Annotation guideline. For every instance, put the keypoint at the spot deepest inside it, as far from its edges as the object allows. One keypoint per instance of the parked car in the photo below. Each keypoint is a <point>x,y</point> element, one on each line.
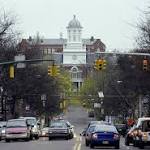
<point>44,132</point>
<point>17,129</point>
<point>2,129</point>
<point>121,128</point>
<point>142,138</point>
<point>106,135</point>
<point>59,129</point>
<point>130,135</point>
<point>35,131</point>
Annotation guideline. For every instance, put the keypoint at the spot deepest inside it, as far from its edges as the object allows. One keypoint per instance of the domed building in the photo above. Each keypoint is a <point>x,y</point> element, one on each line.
<point>74,53</point>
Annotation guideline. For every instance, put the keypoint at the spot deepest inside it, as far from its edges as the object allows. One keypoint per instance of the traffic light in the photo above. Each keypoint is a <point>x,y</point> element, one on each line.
<point>53,70</point>
<point>145,65</point>
<point>56,70</point>
<point>104,64</point>
<point>11,72</point>
<point>50,72</point>
<point>100,64</point>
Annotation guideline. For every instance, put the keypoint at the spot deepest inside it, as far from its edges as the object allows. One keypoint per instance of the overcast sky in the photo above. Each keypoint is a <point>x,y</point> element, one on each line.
<point>108,20</point>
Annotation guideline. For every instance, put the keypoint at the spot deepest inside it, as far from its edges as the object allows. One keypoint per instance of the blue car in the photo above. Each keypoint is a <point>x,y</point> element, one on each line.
<point>105,135</point>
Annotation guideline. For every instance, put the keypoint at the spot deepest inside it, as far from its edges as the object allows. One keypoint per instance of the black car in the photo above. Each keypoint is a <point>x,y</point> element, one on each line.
<point>59,129</point>
<point>121,128</point>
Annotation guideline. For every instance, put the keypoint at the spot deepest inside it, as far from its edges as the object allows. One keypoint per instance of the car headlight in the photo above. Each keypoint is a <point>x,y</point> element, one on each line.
<point>50,132</point>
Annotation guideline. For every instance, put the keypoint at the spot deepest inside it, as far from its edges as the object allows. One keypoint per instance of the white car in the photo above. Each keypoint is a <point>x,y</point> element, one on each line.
<point>44,132</point>
<point>142,138</point>
<point>32,121</point>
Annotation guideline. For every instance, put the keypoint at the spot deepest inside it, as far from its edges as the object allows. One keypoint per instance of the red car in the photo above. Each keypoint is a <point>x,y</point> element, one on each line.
<point>17,129</point>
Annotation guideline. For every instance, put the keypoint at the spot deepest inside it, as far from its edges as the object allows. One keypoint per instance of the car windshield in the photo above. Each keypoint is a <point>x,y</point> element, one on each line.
<point>31,121</point>
<point>16,123</point>
<point>2,124</point>
<point>105,128</point>
<point>58,125</point>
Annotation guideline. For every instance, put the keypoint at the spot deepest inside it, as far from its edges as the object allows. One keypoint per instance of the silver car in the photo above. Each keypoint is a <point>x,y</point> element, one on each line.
<point>34,125</point>
<point>59,130</point>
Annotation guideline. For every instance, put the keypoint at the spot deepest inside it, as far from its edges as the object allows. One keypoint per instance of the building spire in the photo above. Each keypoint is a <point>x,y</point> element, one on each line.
<point>74,16</point>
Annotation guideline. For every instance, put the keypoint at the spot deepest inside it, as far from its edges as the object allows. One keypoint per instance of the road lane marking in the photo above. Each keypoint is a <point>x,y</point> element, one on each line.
<point>75,146</point>
<point>79,146</point>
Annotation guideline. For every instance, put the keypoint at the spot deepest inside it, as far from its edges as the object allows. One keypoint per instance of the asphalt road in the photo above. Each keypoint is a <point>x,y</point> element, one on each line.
<point>78,117</point>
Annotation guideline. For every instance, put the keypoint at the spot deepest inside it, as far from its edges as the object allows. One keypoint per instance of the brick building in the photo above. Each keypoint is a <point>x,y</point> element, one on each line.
<point>74,53</point>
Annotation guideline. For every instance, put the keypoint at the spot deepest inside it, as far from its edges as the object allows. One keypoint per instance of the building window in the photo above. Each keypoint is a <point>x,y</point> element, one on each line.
<point>46,51</point>
<point>74,38</point>
<point>49,51</point>
<point>69,38</point>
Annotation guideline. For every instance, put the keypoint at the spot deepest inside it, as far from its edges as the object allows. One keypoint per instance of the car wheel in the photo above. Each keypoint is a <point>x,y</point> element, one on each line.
<point>27,139</point>
<point>135,143</point>
<point>86,143</point>
<point>0,138</point>
<point>117,147</point>
<point>36,137</point>
<point>67,137</point>
<point>31,137</point>
<point>141,145</point>
<point>7,140</point>
<point>126,142</point>
<point>49,138</point>
<point>91,146</point>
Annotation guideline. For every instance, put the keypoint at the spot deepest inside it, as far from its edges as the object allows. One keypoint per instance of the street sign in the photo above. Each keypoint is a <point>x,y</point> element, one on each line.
<point>43,97</point>
<point>100,94</point>
<point>97,105</point>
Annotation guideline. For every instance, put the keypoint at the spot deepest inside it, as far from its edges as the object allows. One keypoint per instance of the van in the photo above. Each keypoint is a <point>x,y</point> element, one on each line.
<point>142,138</point>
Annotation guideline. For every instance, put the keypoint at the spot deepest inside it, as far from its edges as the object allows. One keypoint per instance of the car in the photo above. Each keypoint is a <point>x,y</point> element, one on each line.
<point>44,132</point>
<point>98,122</point>
<point>88,133</point>
<point>34,124</point>
<point>69,125</point>
<point>2,129</point>
<point>106,135</point>
<point>59,129</point>
<point>17,129</point>
<point>142,138</point>
<point>91,114</point>
<point>130,135</point>
<point>122,129</point>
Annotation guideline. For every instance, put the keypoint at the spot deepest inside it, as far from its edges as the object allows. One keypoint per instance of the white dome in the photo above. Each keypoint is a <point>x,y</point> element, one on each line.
<point>74,23</point>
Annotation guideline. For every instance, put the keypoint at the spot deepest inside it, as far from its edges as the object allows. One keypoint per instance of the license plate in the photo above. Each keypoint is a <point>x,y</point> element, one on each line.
<point>105,142</point>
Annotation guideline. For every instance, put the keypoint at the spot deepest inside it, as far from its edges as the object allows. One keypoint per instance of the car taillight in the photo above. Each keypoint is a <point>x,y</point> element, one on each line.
<point>116,136</point>
<point>94,136</point>
<point>140,133</point>
<point>135,132</point>
<point>144,136</point>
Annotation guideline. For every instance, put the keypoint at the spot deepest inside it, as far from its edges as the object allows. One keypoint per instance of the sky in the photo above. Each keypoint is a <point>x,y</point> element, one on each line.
<point>112,21</point>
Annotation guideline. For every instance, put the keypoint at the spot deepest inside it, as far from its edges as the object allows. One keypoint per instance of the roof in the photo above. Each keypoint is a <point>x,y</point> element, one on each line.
<point>74,23</point>
<point>50,41</point>
<point>60,41</point>
<point>20,119</point>
<point>142,119</point>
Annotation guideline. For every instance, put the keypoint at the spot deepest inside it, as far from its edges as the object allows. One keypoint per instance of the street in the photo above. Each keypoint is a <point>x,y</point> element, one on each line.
<point>79,118</point>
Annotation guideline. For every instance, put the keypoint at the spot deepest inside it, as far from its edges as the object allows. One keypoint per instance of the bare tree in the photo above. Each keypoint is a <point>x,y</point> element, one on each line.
<point>8,35</point>
<point>143,39</point>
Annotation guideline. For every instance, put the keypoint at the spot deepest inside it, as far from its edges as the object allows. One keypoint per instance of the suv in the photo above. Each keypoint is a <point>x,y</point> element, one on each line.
<point>32,121</point>
<point>142,138</point>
